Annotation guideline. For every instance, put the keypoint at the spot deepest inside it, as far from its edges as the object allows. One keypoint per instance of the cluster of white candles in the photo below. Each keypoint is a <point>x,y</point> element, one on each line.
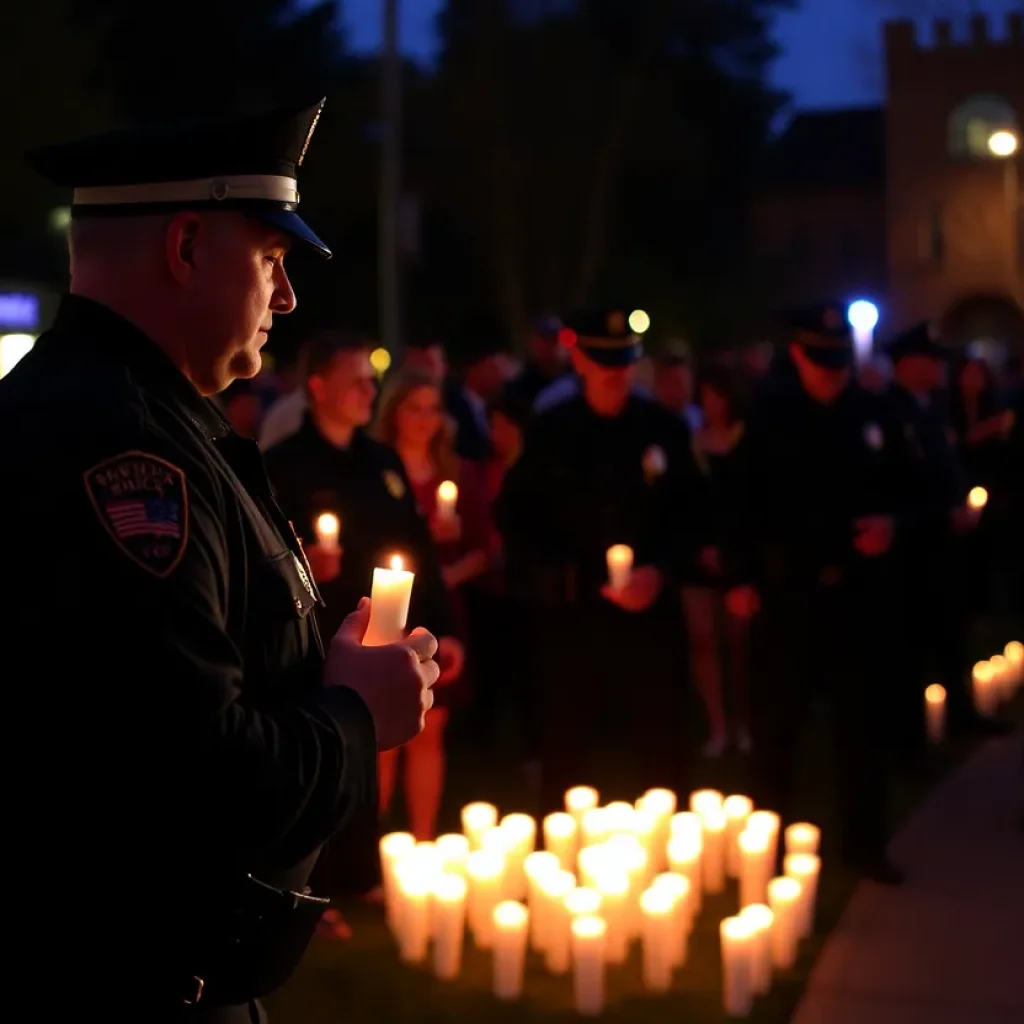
<point>997,680</point>
<point>607,876</point>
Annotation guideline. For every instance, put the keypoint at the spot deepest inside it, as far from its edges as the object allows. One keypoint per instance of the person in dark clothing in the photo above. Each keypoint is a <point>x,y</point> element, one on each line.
<point>546,361</point>
<point>216,749</point>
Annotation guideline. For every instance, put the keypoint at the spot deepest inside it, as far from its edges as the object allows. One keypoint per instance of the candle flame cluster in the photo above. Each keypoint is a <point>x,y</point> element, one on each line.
<point>607,877</point>
<point>997,680</point>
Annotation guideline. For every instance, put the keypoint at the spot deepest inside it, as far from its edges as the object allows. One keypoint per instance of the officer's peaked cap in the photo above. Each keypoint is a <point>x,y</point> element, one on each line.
<point>604,335</point>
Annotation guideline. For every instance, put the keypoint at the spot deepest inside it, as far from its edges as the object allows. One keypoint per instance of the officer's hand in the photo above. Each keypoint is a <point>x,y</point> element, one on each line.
<point>642,590</point>
<point>394,681</point>
<point>325,563</point>
<point>874,535</point>
<point>445,529</point>
<point>742,602</point>
<point>963,519</point>
<point>451,656</point>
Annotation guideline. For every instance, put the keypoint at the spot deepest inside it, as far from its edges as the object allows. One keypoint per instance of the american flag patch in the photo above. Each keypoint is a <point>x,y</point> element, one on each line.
<point>153,517</point>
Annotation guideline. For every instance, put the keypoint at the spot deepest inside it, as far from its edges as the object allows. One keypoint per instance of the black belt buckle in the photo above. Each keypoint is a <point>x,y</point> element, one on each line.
<point>195,989</point>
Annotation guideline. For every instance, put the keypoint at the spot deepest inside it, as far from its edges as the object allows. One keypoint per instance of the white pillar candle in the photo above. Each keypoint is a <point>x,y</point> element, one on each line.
<point>769,823</point>
<point>784,897</point>
<point>983,689</point>
<point>447,499</point>
<point>1001,688</point>
<point>686,823</point>
<point>684,857</point>
<point>485,873</point>
<point>389,604</point>
<point>1013,652</point>
<point>657,909</point>
<point>678,887</point>
<point>328,531</point>
<point>702,799</point>
<point>614,889</point>
<point>661,803</point>
<point>452,850</point>
<point>588,940</point>
<point>511,924</point>
<point>478,818</point>
<point>805,868</point>
<point>579,800</point>
<point>521,831</point>
<point>760,919</point>
<point>594,861</point>
<point>648,830</point>
<point>713,860</point>
<point>583,902</point>
<point>560,837</point>
<point>802,838</point>
<point>595,827</point>
<point>755,865</point>
<point>934,716</point>
<point>414,885</point>
<point>737,810</point>
<point>555,890</point>
<point>537,866</point>
<point>619,817</point>
<point>737,966</point>
<point>620,566</point>
<point>394,847</point>
<point>448,924</point>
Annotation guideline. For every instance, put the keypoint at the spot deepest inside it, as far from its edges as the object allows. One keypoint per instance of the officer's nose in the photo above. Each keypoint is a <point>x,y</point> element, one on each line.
<point>283,300</point>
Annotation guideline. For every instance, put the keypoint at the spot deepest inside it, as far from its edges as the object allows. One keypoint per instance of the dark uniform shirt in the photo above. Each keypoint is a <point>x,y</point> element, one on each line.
<point>366,487</point>
<point>174,726</point>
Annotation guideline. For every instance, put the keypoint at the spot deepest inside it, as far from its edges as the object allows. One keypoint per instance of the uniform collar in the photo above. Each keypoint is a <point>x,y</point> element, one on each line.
<point>118,340</point>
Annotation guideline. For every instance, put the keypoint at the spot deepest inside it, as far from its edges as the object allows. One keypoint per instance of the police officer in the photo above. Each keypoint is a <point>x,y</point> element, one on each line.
<point>605,467</point>
<point>187,746</point>
<point>825,468</point>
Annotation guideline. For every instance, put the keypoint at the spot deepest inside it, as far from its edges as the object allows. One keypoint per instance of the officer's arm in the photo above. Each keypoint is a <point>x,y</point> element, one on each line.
<point>258,767</point>
<point>527,511</point>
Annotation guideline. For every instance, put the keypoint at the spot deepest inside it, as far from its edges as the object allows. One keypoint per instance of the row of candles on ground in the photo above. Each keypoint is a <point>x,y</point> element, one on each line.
<point>608,876</point>
<point>992,683</point>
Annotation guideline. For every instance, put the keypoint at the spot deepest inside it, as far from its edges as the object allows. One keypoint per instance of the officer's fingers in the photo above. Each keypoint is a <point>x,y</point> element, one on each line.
<point>421,643</point>
<point>429,672</point>
<point>427,700</point>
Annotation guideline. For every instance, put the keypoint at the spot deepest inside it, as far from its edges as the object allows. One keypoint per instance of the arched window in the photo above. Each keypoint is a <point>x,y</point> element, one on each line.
<point>973,123</point>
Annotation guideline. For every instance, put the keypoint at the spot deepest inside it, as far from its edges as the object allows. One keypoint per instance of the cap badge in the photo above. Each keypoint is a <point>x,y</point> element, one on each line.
<point>654,463</point>
<point>616,322</point>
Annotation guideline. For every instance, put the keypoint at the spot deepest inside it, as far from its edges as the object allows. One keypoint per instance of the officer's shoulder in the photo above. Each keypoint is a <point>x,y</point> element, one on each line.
<point>660,418</point>
<point>377,453</point>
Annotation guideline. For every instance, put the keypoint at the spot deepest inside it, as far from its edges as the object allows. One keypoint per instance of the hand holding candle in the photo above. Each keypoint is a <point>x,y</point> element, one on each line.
<point>389,604</point>
<point>620,566</point>
<point>328,532</point>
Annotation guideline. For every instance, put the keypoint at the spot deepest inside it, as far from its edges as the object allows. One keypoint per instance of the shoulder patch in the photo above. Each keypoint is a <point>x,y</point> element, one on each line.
<point>142,502</point>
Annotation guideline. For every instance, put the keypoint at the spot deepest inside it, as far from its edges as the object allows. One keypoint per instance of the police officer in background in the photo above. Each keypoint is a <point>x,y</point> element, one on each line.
<point>605,467</point>
<point>187,747</point>
<point>825,467</point>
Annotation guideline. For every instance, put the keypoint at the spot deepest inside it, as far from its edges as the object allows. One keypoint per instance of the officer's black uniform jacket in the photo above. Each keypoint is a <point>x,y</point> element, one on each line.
<point>168,705</point>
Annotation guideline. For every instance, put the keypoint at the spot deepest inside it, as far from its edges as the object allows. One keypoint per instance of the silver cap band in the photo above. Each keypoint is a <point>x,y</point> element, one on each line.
<point>268,187</point>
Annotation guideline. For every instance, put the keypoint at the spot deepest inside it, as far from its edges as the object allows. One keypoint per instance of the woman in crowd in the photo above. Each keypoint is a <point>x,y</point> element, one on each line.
<point>411,420</point>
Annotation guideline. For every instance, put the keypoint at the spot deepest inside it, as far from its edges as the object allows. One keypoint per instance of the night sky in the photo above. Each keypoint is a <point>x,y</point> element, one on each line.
<point>831,48</point>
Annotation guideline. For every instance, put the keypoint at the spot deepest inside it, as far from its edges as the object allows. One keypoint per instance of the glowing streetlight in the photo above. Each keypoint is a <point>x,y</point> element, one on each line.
<point>862,317</point>
<point>1003,143</point>
<point>639,321</point>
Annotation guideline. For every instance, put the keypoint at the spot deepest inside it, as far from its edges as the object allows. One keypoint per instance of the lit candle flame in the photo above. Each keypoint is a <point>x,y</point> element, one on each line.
<point>978,498</point>
<point>935,694</point>
<point>397,564</point>
<point>447,490</point>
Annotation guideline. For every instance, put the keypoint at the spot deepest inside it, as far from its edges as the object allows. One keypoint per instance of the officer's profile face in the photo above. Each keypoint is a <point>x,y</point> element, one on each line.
<point>823,383</point>
<point>231,279</point>
<point>344,391</point>
<point>606,387</point>
<point>418,418</point>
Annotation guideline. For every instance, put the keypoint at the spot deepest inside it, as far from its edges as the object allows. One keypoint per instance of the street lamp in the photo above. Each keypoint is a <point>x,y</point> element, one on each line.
<point>862,317</point>
<point>1003,143</point>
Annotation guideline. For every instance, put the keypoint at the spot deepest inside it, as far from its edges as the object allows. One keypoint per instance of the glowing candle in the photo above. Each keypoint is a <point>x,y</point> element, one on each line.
<point>702,799</point>
<point>1001,688</point>
<point>618,817</point>
<point>714,849</point>
<point>521,831</point>
<point>769,823</point>
<point>447,499</point>
<point>537,867</point>
<point>760,919</point>
<point>678,888</point>
<point>560,831</point>
<point>784,896</point>
<point>620,566</point>
<point>414,885</point>
<point>934,716</point>
<point>328,530</point>
<point>614,889</point>
<point>737,966</point>
<point>478,818</point>
<point>657,909</point>
<point>1013,652</point>
<point>983,688</point>
<point>755,865</point>
<point>511,923</point>
<point>802,838</point>
<point>647,828</point>
<point>737,810</point>
<point>595,826</point>
<point>485,872</point>
<point>977,499</point>
<point>389,604</point>
<point>594,861</point>
<point>453,850</point>
<point>394,847</point>
<point>588,941</point>
<point>555,890</point>
<point>805,868</point>
<point>448,924</point>
<point>686,823</point>
<point>662,804</point>
<point>684,857</point>
<point>579,800</point>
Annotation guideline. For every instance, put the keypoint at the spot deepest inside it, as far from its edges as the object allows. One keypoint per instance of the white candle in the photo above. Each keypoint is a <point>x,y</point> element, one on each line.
<point>511,922</point>
<point>521,831</point>
<point>537,867</point>
<point>452,850</point>
<point>588,940</point>
<point>485,872</point>
<point>686,823</point>
<point>594,861</point>
<point>448,924</point>
<point>657,909</point>
<point>389,604</point>
<point>678,887</point>
<point>760,919</point>
<point>583,902</point>
<point>684,857</point>
<point>755,865</point>
<point>647,828</point>
<point>977,499</point>
<point>1001,688</point>
<point>620,566</point>
<point>328,530</point>
<point>618,817</point>
<point>714,849</point>
<point>414,884</point>
<point>1013,652</point>
<point>702,799</point>
<point>802,838</point>
<point>478,818</point>
<point>983,688</point>
<point>934,716</point>
<point>447,499</point>
<point>594,826</point>
<point>394,847</point>
<point>737,810</point>
<point>555,890</point>
<point>579,800</point>
<point>769,823</point>
<point>560,832</point>
<point>805,868</point>
<point>737,966</point>
<point>662,804</point>
<point>784,897</point>
<point>614,889</point>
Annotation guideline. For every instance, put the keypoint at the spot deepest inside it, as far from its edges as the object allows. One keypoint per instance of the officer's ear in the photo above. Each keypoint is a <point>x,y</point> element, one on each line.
<point>180,240</point>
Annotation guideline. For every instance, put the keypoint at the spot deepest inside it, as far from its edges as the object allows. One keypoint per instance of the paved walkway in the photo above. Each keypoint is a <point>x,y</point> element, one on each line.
<point>948,947</point>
